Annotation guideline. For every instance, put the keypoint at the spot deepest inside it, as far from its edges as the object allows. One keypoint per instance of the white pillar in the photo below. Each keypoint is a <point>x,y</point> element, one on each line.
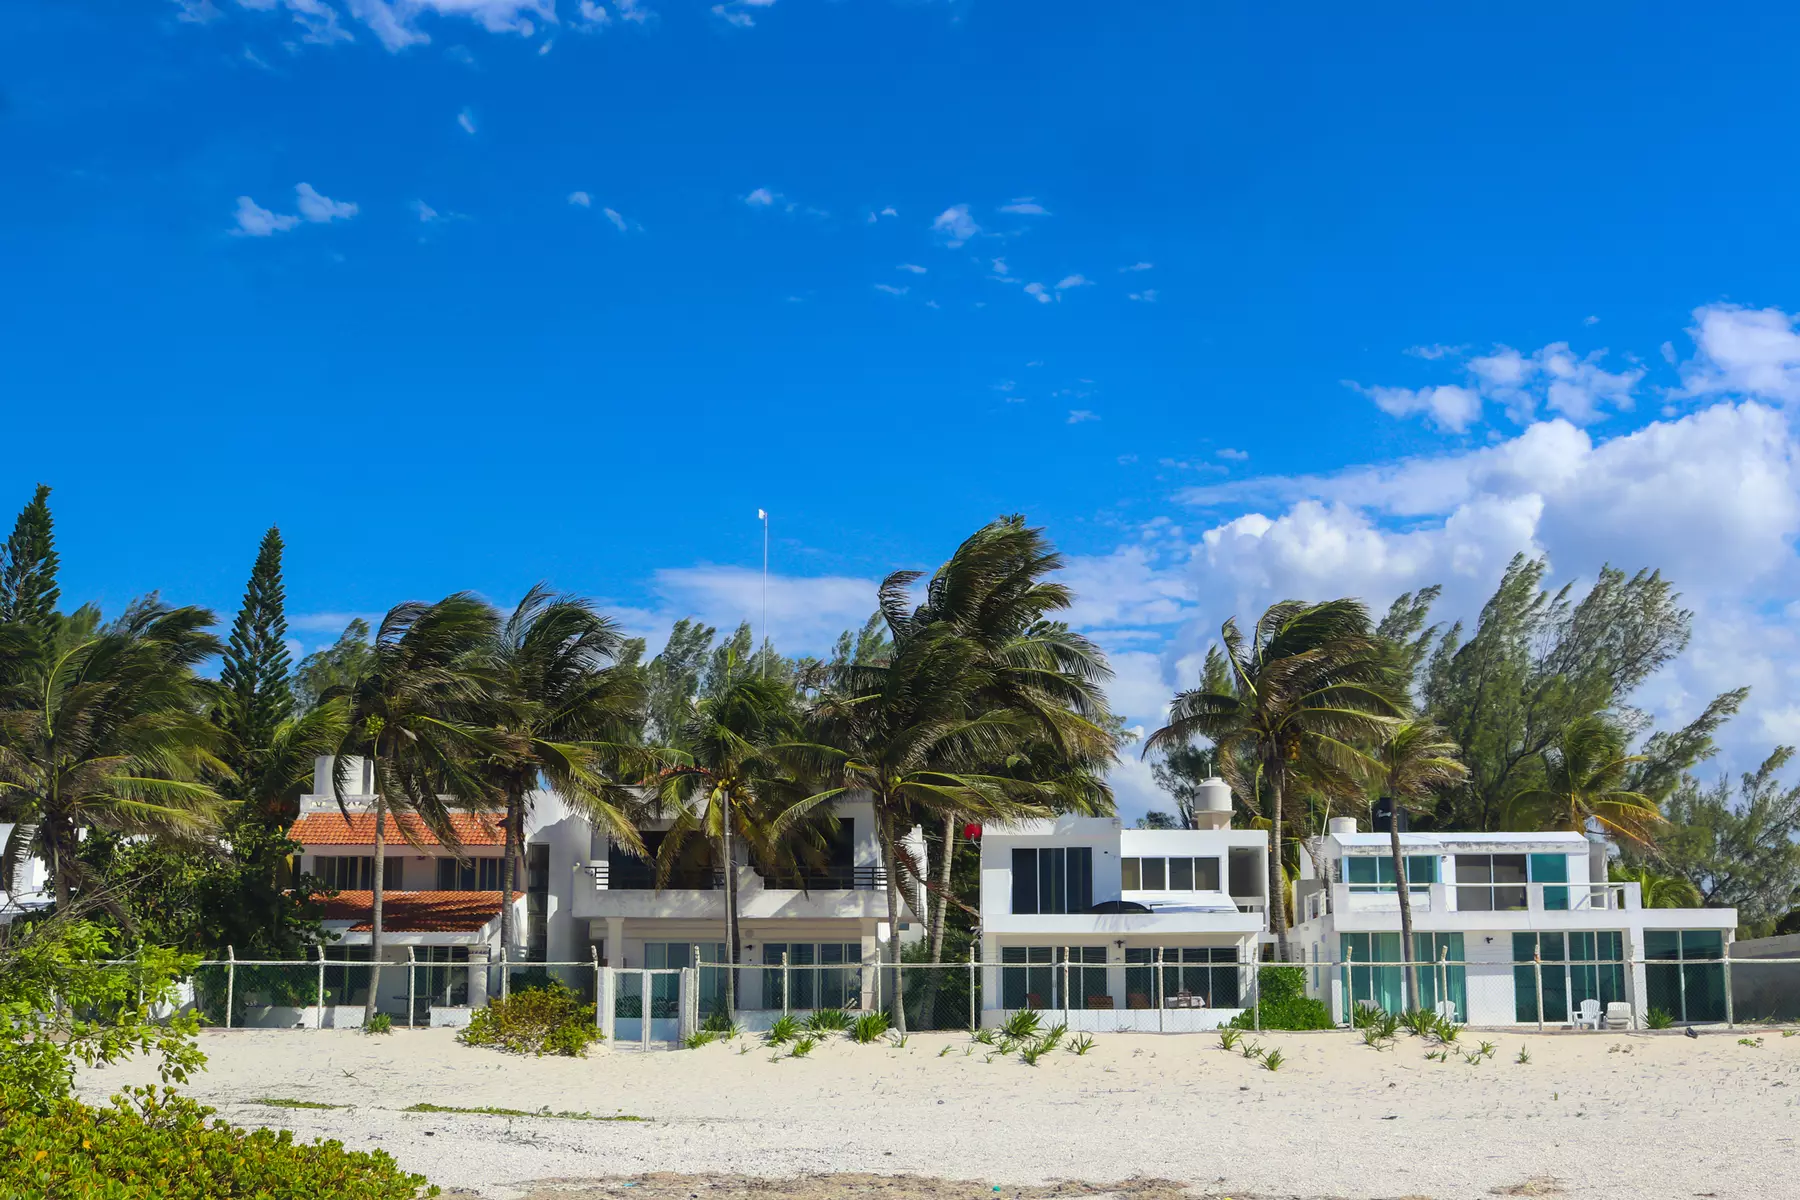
<point>478,975</point>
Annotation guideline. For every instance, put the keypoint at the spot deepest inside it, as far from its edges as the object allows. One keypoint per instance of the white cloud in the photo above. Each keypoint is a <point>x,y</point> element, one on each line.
<point>1025,206</point>
<point>889,212</point>
<point>467,120</point>
<point>733,16</point>
<point>322,210</point>
<point>915,268</point>
<point>397,24</point>
<point>1137,266</point>
<point>955,225</point>
<point>1079,415</point>
<point>581,199</point>
<point>1147,296</point>
<point>425,212</point>
<point>618,221</point>
<point>633,11</point>
<point>1073,281</point>
<point>1001,273</point>
<point>1753,351</point>
<point>331,622</point>
<point>1435,351</point>
<point>1039,291</point>
<point>590,17</point>
<point>805,614</point>
<point>1590,320</point>
<point>762,197</point>
<point>1231,455</point>
<point>891,290</point>
<point>253,220</point>
<point>1449,407</point>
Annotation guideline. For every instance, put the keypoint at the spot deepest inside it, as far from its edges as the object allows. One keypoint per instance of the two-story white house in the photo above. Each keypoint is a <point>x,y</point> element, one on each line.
<point>828,920</point>
<point>1504,918</point>
<point>1147,929</point>
<point>440,906</point>
<point>30,890</point>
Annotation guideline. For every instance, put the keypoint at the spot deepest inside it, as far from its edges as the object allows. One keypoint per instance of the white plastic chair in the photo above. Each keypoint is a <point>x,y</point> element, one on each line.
<point>1445,1010</point>
<point>1588,1017</point>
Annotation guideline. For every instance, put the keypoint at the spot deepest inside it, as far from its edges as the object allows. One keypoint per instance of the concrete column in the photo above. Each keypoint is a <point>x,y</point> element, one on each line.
<point>478,975</point>
<point>615,941</point>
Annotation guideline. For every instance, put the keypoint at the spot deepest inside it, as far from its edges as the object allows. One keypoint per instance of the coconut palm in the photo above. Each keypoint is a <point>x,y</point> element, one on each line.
<point>1308,692</point>
<point>105,732</point>
<point>1657,891</point>
<point>1585,774</point>
<point>557,690</point>
<point>727,780</point>
<point>414,713</point>
<point>1418,760</point>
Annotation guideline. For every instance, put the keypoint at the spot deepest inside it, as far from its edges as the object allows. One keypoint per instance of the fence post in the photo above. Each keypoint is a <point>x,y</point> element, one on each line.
<point>140,974</point>
<point>1349,986</point>
<point>1156,990</point>
<point>412,975</point>
<point>646,1008</point>
<point>784,983</point>
<point>599,996</point>
<point>974,1015</point>
<point>1537,970</point>
<point>1443,981</point>
<point>1730,1011</point>
<point>319,1013</point>
<point>505,983</point>
<point>1065,984</point>
<point>230,982</point>
<point>1256,995</point>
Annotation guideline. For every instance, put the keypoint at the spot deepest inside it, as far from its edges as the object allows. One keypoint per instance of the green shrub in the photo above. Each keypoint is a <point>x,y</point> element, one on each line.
<point>379,1023</point>
<point>1419,1021</point>
<point>785,1029</point>
<point>869,1028</point>
<point>1282,992</point>
<point>719,1021</point>
<point>829,1020</point>
<point>1659,1018</point>
<point>540,1020</point>
<point>1021,1025</point>
<point>150,1145</point>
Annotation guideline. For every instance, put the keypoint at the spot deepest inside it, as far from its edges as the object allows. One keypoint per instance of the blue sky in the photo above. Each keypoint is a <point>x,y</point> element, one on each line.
<point>1239,302</point>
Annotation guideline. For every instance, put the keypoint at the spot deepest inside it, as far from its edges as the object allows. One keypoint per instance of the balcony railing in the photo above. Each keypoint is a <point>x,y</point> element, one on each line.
<point>606,880</point>
<point>864,878</point>
<point>1481,897</point>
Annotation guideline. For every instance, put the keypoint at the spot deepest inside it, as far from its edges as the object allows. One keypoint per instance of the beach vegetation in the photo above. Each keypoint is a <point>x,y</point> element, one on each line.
<point>550,1019</point>
<point>1658,1018</point>
<point>869,1027</point>
<point>829,1020</point>
<point>1273,1060</point>
<point>784,1030</point>
<point>1283,1003</point>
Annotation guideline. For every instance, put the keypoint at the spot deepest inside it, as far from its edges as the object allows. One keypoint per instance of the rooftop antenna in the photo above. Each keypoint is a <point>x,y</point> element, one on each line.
<point>763,516</point>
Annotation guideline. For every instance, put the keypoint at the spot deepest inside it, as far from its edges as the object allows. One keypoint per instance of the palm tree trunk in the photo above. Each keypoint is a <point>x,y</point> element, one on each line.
<point>376,891</point>
<point>1277,877</point>
<point>889,850</point>
<point>1400,882</point>
<point>940,903</point>
<point>507,867</point>
<point>732,948</point>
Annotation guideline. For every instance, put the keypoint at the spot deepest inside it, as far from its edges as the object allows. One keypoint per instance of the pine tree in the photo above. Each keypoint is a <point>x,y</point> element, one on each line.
<point>28,591</point>
<point>254,673</point>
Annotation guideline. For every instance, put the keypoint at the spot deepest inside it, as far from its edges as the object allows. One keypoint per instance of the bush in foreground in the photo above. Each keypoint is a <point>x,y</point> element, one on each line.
<point>1282,995</point>
<point>541,1020</point>
<point>150,1145</point>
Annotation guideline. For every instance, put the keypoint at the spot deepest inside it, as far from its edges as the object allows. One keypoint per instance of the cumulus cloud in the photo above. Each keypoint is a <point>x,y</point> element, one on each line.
<point>737,12</point>
<point>1038,292</point>
<point>1554,377</point>
<point>319,209</point>
<point>581,199</point>
<point>805,614</point>
<point>1025,206</point>
<point>1073,281</point>
<point>1147,296</point>
<point>762,197</point>
<point>1754,351</point>
<point>955,225</point>
<point>253,220</point>
<point>1079,415</point>
<point>618,221</point>
<point>1449,407</point>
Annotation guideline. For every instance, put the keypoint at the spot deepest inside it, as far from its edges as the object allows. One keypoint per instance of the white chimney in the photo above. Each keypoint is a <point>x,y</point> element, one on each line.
<point>1212,804</point>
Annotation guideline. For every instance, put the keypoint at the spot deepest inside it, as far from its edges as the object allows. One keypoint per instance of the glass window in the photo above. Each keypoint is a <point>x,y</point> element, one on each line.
<point>1156,877</point>
<point>1552,868</point>
<point>1181,874</point>
<point>1206,874</point>
<point>1053,880</point>
<point>815,975</point>
<point>1437,960</point>
<point>1570,969</point>
<point>1688,980</point>
<point>1490,882</point>
<point>1128,875</point>
<point>1181,977</point>
<point>1024,881</point>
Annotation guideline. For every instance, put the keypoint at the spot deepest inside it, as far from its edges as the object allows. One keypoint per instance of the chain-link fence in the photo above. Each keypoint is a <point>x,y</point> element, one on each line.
<point>1083,988</point>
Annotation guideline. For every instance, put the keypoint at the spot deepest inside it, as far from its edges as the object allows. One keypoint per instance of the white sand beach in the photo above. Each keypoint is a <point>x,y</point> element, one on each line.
<point>1602,1116</point>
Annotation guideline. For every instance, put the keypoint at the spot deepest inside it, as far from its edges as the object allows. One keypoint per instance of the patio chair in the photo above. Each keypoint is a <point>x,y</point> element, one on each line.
<point>1034,1000</point>
<point>1588,1016</point>
<point>1618,1015</point>
<point>1445,1010</point>
<point>1137,1000</point>
<point>1099,1002</point>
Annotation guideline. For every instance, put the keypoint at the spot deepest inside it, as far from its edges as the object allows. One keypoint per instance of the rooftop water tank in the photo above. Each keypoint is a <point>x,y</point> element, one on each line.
<point>1340,825</point>
<point>1212,804</point>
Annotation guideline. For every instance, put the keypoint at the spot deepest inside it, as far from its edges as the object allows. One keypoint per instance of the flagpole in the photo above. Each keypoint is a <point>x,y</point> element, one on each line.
<point>764,514</point>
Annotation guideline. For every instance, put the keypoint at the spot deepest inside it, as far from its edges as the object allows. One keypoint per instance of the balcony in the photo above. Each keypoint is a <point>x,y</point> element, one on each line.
<point>618,890</point>
<point>1477,899</point>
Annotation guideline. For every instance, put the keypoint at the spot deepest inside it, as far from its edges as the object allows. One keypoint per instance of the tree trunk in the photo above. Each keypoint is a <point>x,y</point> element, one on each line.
<point>940,903</point>
<point>1277,879</point>
<point>732,948</point>
<point>507,866</point>
<point>377,888</point>
<point>893,887</point>
<point>1400,883</point>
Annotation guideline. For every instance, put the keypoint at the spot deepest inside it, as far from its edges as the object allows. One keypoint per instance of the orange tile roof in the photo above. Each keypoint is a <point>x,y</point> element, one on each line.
<point>415,912</point>
<point>330,829</point>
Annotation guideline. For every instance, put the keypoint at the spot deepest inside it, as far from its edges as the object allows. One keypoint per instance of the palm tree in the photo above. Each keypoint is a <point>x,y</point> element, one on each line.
<point>1585,772</point>
<point>559,693</point>
<point>105,732</point>
<point>1417,760</point>
<point>1309,691</point>
<point>727,780</point>
<point>1658,891</point>
<point>414,714</point>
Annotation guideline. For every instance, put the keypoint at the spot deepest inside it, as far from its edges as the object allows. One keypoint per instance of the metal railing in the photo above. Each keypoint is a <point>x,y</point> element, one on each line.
<point>644,880</point>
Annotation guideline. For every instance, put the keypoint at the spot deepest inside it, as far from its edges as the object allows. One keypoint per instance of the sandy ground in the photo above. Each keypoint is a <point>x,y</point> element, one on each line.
<point>1598,1116</point>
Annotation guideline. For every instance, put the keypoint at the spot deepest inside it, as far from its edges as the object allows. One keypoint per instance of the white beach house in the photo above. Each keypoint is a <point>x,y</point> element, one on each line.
<point>1506,917</point>
<point>825,920</point>
<point>1122,928</point>
<point>29,889</point>
<point>439,907</point>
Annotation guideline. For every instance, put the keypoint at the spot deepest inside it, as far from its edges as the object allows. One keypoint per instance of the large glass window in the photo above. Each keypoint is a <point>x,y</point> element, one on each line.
<point>1552,868</point>
<point>1375,873</point>
<point>1575,967</point>
<point>1685,976</point>
<point>1181,977</point>
<point>818,975</point>
<point>1490,882</point>
<point>476,875</point>
<point>356,873</point>
<point>1034,977</point>
<point>1056,879</point>
<point>1169,874</point>
<point>1438,959</point>
<point>660,956</point>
